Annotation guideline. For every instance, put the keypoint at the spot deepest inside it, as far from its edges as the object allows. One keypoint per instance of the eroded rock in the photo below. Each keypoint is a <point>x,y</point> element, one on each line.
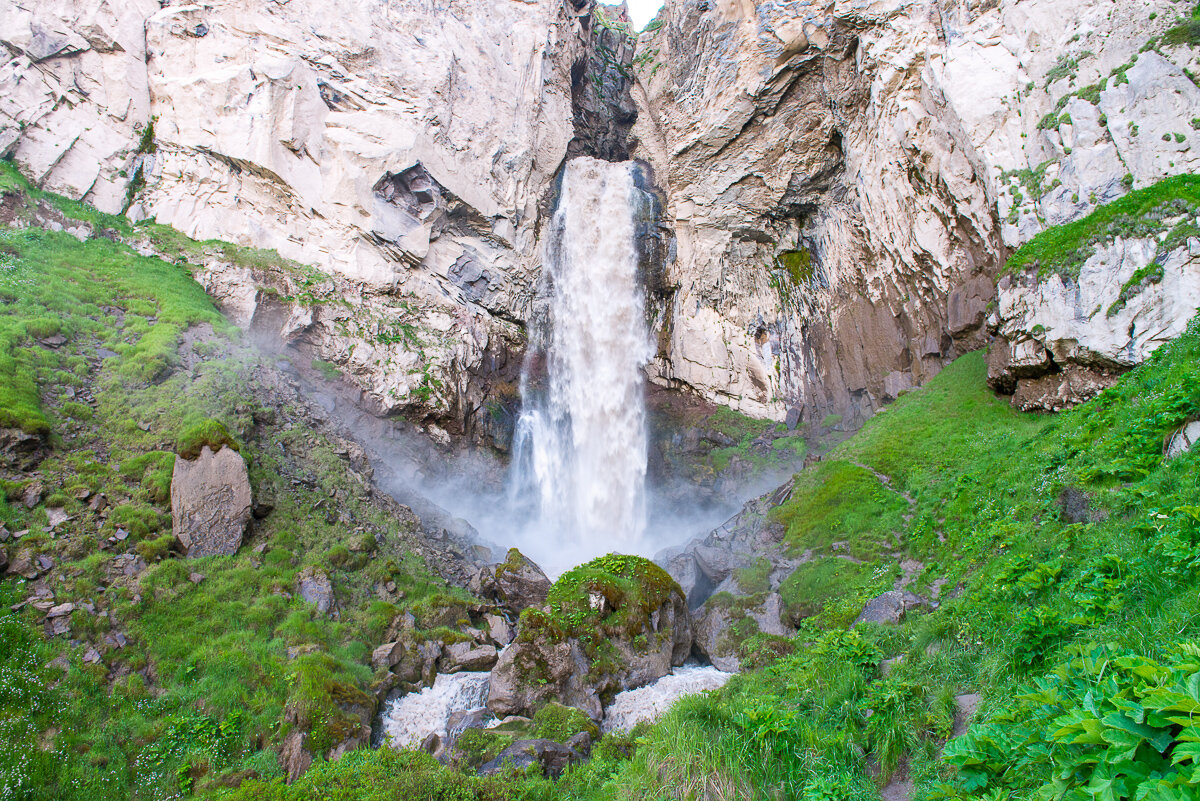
<point>210,502</point>
<point>517,583</point>
<point>621,623</point>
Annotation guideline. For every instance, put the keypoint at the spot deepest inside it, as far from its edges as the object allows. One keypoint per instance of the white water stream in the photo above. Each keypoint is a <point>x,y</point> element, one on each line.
<point>650,702</point>
<point>580,444</point>
<point>409,719</point>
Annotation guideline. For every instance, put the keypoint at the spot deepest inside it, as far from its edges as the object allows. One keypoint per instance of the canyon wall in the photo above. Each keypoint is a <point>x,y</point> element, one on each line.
<point>846,179</point>
<point>840,182</point>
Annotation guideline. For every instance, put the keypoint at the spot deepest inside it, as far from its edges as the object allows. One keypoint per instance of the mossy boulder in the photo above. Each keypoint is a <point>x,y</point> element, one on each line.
<point>726,624</point>
<point>517,583</point>
<point>613,624</point>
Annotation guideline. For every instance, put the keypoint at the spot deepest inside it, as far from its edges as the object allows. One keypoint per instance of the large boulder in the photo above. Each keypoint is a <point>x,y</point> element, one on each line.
<point>724,623</point>
<point>516,583</point>
<point>210,502</point>
<point>613,624</point>
<point>553,757</point>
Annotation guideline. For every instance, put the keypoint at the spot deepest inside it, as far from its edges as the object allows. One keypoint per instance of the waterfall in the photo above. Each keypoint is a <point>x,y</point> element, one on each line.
<point>580,444</point>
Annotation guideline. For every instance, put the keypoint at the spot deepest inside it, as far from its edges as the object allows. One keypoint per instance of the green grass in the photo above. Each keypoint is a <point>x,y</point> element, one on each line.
<point>838,501</point>
<point>215,673</point>
<point>1078,629</point>
<point>1141,213</point>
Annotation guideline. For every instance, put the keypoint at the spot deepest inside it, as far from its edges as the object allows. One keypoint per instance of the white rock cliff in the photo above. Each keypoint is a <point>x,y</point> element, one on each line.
<point>841,181</point>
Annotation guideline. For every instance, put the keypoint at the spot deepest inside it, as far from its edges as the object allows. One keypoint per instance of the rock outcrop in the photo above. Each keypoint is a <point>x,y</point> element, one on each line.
<point>1065,337</point>
<point>838,184</point>
<point>516,584</point>
<point>615,623</point>
<point>210,502</point>
<point>844,189</point>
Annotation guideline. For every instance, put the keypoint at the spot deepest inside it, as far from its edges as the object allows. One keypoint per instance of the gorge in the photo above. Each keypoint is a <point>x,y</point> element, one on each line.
<point>484,399</point>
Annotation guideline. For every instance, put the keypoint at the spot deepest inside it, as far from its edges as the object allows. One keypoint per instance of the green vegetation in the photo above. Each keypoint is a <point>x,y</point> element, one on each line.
<point>633,588</point>
<point>206,433</point>
<point>1143,213</point>
<point>836,500</point>
<point>117,360</point>
<point>831,591</point>
<point>1068,550</point>
<point>798,264</point>
<point>328,370</point>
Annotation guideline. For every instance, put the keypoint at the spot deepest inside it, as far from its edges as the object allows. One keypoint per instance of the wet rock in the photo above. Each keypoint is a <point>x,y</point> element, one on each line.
<point>517,583</point>
<point>210,502</point>
<point>499,629</point>
<point>467,656</point>
<point>712,623</point>
<point>553,757</point>
<point>550,660</point>
<point>460,720</point>
<point>432,745</point>
<point>313,585</point>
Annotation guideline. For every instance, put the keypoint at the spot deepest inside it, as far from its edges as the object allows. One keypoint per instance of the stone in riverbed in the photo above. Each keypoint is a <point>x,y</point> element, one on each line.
<point>620,622</point>
<point>553,757</point>
<point>516,583</point>
<point>210,502</point>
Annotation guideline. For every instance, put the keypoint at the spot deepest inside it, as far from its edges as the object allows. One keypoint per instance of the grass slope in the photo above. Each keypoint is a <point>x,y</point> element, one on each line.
<point>117,360</point>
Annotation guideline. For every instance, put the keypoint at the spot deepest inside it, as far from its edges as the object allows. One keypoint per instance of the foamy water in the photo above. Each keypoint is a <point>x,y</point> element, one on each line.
<point>647,704</point>
<point>411,718</point>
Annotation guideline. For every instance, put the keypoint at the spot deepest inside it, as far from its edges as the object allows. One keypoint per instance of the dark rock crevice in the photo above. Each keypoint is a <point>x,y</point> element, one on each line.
<point>601,83</point>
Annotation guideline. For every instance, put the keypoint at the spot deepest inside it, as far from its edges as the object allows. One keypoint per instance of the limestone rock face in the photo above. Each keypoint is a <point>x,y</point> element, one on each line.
<point>1065,338</point>
<point>839,183</point>
<point>210,502</point>
<point>844,189</point>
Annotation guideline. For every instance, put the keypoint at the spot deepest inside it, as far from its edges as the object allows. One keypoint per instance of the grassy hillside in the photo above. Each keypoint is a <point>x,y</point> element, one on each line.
<point>173,676</point>
<point>1069,554</point>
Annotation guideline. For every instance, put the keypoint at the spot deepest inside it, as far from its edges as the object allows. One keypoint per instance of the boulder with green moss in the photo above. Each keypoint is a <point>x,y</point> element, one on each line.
<point>516,584</point>
<point>613,624</point>
<point>726,623</point>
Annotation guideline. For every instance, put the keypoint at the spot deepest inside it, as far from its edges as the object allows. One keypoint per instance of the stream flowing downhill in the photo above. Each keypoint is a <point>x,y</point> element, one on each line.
<point>407,720</point>
<point>579,463</point>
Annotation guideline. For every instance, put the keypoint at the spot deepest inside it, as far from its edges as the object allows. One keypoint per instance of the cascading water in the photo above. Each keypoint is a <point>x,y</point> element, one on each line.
<point>580,445</point>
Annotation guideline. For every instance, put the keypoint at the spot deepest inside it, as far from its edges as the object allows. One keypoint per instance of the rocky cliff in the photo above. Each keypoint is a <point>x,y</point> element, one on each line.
<point>840,182</point>
<point>845,179</point>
